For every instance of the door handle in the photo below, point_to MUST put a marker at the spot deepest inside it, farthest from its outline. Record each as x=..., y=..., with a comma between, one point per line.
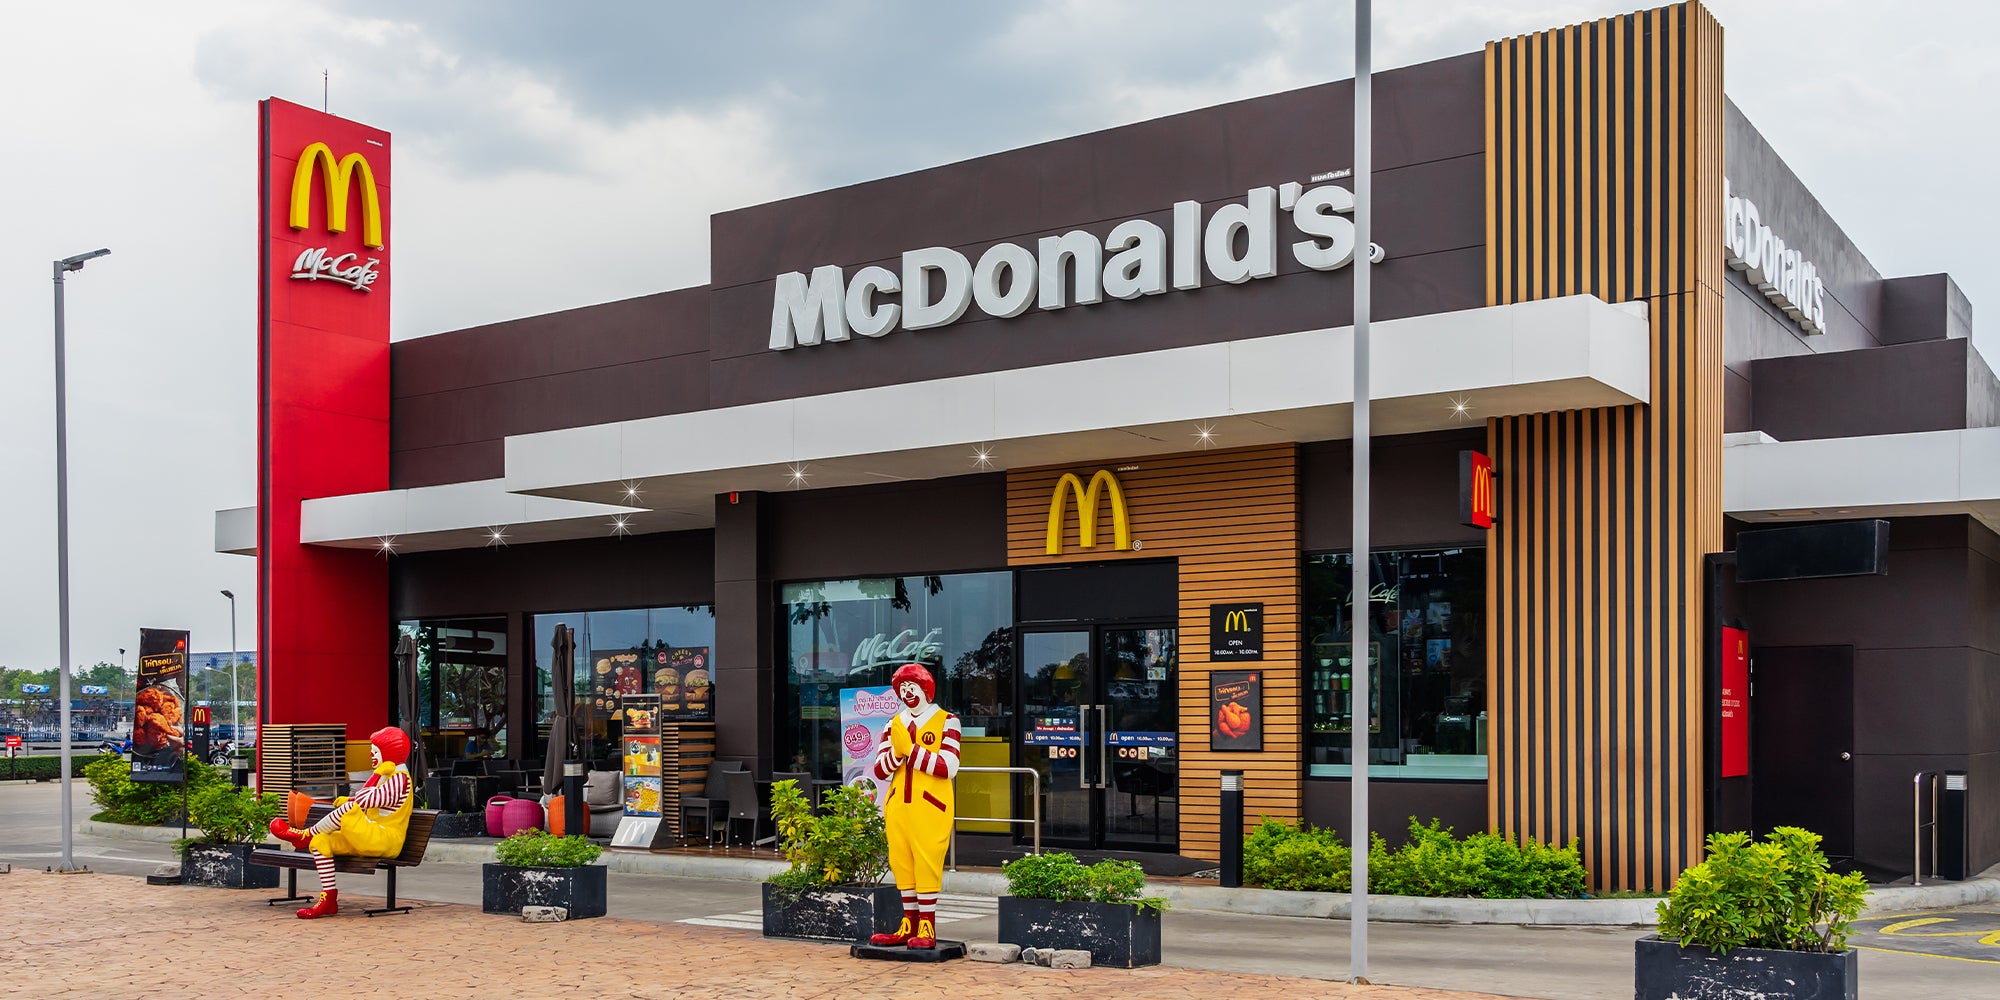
x=1844, y=755
x=1083, y=747
x=1104, y=747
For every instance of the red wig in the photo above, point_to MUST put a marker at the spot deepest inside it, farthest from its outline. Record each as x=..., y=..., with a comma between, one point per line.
x=914, y=672
x=393, y=743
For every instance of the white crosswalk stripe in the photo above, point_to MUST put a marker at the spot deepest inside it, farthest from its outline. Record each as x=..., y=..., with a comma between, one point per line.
x=951, y=907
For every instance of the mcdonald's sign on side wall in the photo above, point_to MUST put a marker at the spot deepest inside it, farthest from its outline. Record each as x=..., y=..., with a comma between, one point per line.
x=1086, y=509
x=1475, y=490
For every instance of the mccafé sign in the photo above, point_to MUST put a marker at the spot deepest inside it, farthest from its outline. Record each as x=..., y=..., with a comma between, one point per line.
x=354, y=270
x=1086, y=509
x=1137, y=258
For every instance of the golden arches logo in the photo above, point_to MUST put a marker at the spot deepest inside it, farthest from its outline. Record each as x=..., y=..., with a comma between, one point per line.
x=339, y=175
x=1236, y=621
x=1086, y=509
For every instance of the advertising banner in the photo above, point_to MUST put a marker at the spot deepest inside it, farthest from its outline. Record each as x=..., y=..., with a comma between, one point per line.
x=1236, y=705
x=1735, y=702
x=159, y=707
x=682, y=678
x=863, y=713
x=613, y=675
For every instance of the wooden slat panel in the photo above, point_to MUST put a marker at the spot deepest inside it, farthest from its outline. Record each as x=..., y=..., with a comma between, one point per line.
x=1230, y=519
x=1604, y=168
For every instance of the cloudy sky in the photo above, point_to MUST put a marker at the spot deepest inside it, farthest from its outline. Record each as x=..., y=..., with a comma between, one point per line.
x=550, y=156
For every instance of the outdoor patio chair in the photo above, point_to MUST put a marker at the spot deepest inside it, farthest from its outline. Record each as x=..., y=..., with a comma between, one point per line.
x=712, y=802
x=744, y=805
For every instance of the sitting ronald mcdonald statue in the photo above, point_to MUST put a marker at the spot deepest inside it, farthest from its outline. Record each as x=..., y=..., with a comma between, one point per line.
x=916, y=760
x=370, y=824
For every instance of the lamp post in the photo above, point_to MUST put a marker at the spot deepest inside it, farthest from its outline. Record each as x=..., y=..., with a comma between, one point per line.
x=1358, y=645
x=235, y=723
x=58, y=269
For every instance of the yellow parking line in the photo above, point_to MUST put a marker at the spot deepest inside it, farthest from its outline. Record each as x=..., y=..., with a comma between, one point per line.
x=1926, y=954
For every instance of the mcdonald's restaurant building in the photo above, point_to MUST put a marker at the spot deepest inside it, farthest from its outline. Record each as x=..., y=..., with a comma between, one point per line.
x=1071, y=425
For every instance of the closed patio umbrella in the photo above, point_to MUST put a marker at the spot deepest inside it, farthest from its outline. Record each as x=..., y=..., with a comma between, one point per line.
x=406, y=697
x=562, y=683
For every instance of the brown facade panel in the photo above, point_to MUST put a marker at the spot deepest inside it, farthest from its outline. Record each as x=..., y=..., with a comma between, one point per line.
x=1606, y=145
x=1186, y=507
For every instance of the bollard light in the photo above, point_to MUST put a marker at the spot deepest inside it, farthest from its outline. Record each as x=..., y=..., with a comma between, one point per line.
x=1232, y=829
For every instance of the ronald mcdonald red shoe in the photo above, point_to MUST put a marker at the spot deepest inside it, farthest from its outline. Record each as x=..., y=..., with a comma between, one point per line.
x=901, y=936
x=926, y=936
x=283, y=831
x=326, y=904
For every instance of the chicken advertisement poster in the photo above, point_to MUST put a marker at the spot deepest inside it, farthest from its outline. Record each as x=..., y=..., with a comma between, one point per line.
x=159, y=707
x=1236, y=710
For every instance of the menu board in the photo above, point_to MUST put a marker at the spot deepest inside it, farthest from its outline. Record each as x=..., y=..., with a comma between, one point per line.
x=682, y=678
x=613, y=675
x=159, y=707
x=1236, y=710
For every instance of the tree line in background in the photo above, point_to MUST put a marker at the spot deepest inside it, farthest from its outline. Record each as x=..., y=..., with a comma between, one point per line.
x=19, y=706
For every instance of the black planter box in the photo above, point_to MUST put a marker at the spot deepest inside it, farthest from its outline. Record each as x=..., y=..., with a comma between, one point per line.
x=225, y=866
x=1119, y=935
x=506, y=888
x=455, y=826
x=1663, y=970
x=847, y=914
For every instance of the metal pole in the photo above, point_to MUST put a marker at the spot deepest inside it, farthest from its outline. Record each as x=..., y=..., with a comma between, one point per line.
x=1358, y=644
x=235, y=720
x=62, y=570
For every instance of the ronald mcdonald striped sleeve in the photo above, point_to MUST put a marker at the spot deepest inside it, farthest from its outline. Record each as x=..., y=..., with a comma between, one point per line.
x=943, y=762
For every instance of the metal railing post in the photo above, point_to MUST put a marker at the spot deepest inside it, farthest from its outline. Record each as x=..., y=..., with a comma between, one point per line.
x=1034, y=822
x=1917, y=825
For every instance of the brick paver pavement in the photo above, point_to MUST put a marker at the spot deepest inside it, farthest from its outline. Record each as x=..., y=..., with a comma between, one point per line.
x=108, y=936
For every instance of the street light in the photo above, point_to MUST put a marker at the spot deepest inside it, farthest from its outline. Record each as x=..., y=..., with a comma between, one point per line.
x=1358, y=644
x=58, y=269
x=235, y=724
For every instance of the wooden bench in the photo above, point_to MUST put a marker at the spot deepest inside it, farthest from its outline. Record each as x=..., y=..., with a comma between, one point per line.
x=414, y=841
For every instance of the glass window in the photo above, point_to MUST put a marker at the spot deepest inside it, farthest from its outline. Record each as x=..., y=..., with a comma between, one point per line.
x=854, y=633
x=1426, y=656
x=461, y=684
x=607, y=636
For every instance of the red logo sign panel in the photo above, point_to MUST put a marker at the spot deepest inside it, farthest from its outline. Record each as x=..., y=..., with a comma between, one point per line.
x=1735, y=702
x=1475, y=490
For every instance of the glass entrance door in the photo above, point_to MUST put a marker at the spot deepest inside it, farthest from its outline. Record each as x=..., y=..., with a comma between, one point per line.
x=1098, y=711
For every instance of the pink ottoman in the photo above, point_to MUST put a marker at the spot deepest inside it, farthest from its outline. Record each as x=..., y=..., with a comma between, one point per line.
x=495, y=814
x=518, y=815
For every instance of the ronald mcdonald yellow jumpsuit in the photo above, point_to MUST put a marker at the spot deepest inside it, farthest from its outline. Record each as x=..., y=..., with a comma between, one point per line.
x=916, y=758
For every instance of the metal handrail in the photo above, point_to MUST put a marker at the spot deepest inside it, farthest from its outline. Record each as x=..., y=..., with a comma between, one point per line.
x=1034, y=797
x=1918, y=824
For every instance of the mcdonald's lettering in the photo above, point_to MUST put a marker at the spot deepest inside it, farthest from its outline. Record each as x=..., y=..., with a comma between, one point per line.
x=339, y=176
x=1086, y=509
x=1475, y=490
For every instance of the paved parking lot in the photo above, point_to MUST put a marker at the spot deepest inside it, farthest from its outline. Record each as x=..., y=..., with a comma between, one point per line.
x=1971, y=935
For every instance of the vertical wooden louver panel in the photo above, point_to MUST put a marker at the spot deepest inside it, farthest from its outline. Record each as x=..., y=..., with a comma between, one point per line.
x=1604, y=177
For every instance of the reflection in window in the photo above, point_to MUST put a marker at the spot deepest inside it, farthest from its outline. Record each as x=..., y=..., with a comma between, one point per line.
x=606, y=635
x=461, y=683
x=854, y=633
x=1426, y=656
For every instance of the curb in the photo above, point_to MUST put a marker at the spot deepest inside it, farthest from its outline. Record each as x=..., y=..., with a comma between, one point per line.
x=1214, y=899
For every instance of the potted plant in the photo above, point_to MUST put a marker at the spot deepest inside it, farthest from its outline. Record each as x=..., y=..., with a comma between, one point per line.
x=537, y=868
x=232, y=822
x=833, y=890
x=1755, y=919
x=1056, y=901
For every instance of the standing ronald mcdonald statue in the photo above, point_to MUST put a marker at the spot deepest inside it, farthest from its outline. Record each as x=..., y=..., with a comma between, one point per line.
x=371, y=824
x=916, y=760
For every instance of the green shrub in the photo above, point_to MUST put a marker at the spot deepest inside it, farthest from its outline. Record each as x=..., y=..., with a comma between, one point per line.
x=143, y=803
x=542, y=849
x=845, y=843
x=229, y=815
x=1493, y=866
x=47, y=768
x=1777, y=894
x=1278, y=855
x=1063, y=878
